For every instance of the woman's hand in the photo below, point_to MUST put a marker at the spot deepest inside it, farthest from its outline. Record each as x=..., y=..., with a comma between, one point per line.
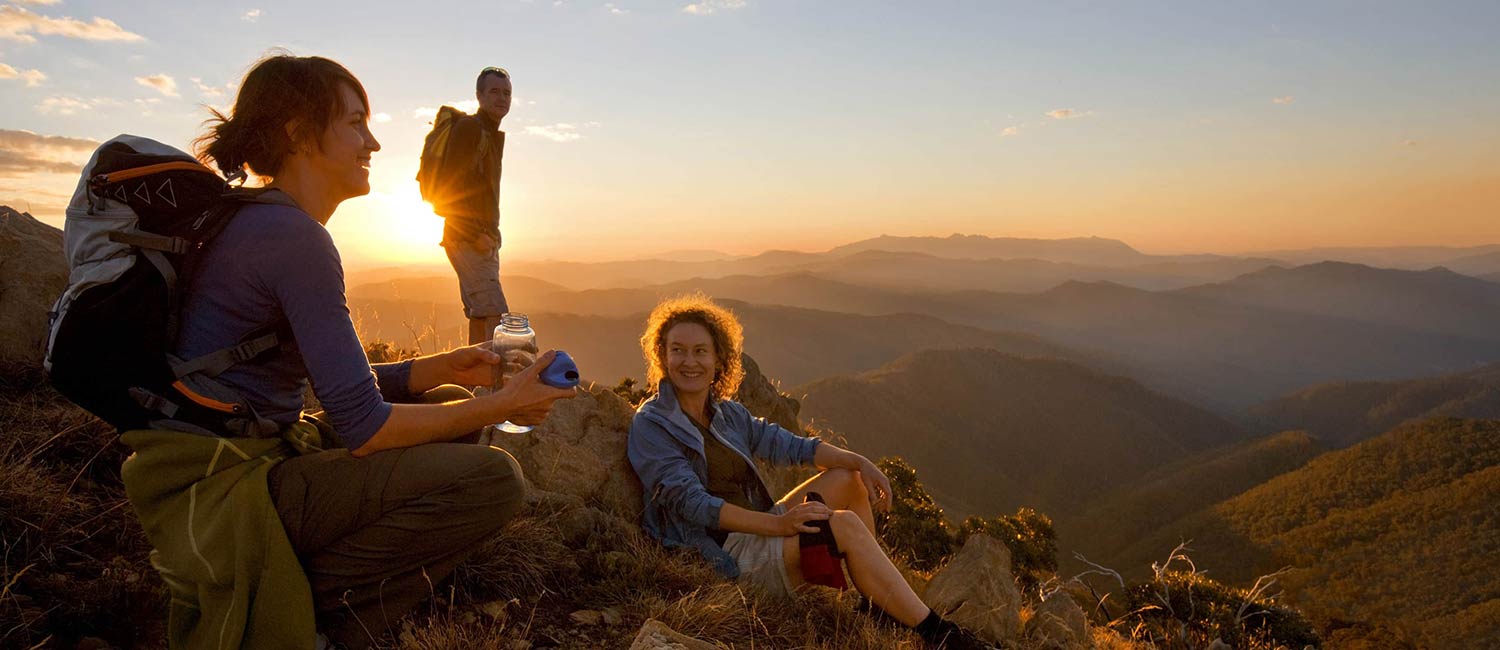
x=876, y=484
x=474, y=365
x=795, y=519
x=525, y=399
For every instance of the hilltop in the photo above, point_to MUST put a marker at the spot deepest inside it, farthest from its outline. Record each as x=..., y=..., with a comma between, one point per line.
x=1342, y=413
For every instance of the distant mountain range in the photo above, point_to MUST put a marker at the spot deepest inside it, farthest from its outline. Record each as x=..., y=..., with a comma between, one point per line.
x=1226, y=346
x=991, y=432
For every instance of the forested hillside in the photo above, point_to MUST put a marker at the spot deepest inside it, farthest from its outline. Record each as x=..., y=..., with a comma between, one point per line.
x=1010, y=431
x=1400, y=528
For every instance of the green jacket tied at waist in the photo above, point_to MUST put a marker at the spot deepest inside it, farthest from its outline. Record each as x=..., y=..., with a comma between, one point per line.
x=219, y=545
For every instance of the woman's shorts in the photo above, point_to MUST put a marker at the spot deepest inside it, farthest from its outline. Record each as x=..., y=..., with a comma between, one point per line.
x=760, y=559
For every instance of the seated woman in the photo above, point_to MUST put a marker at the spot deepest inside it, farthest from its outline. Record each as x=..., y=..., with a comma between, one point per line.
x=375, y=523
x=692, y=448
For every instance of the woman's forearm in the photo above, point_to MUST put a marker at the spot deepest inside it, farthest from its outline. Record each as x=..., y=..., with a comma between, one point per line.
x=427, y=373
x=416, y=424
x=739, y=520
x=827, y=456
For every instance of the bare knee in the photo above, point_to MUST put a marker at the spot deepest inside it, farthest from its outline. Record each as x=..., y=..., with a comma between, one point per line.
x=847, y=526
x=846, y=479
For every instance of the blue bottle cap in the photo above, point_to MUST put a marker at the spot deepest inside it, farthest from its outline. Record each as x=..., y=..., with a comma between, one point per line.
x=562, y=372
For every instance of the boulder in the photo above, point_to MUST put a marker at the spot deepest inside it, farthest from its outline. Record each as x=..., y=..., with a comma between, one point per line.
x=763, y=400
x=655, y=635
x=33, y=272
x=579, y=451
x=976, y=590
x=1059, y=624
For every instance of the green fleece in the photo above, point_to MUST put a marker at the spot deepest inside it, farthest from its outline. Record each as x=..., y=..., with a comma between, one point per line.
x=219, y=545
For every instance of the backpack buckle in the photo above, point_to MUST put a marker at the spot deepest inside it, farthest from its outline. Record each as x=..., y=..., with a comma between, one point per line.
x=244, y=351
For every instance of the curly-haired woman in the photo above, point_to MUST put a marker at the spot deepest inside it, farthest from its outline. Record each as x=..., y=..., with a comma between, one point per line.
x=693, y=449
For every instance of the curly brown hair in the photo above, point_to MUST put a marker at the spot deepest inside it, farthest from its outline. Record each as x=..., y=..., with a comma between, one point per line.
x=723, y=327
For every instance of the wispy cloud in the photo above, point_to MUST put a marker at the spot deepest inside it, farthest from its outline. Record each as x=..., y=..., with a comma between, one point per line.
x=706, y=7
x=18, y=24
x=615, y=11
x=251, y=16
x=560, y=132
x=31, y=77
x=1010, y=131
x=62, y=105
x=1410, y=143
x=205, y=89
x=161, y=83
x=1065, y=114
x=382, y=118
x=35, y=2
x=24, y=152
x=426, y=113
x=1283, y=100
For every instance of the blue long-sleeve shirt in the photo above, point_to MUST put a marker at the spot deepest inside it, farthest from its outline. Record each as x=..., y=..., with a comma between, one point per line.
x=273, y=262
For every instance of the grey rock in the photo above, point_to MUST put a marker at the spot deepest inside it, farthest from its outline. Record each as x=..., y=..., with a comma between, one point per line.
x=579, y=451
x=976, y=590
x=655, y=635
x=1059, y=624
x=33, y=272
x=762, y=398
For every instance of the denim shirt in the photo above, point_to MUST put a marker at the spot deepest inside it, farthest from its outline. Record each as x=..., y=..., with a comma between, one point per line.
x=666, y=451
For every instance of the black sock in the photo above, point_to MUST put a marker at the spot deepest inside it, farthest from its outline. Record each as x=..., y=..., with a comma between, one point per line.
x=931, y=626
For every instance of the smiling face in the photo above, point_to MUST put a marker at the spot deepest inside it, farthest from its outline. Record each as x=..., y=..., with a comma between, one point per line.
x=690, y=358
x=342, y=158
x=494, y=96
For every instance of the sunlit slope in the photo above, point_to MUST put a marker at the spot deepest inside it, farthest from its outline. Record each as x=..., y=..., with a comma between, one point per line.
x=1403, y=527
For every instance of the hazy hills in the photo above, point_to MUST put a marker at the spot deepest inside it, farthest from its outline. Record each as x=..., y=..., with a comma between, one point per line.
x=1226, y=346
x=1342, y=413
x=1008, y=431
x=1402, y=527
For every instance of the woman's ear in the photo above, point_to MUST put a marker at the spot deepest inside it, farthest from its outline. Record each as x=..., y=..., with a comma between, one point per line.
x=294, y=134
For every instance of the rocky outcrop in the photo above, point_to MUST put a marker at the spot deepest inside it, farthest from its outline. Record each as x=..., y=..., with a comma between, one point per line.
x=760, y=396
x=976, y=590
x=579, y=451
x=1059, y=624
x=33, y=272
x=655, y=635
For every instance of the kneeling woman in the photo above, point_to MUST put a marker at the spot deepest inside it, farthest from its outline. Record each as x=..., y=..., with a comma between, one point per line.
x=692, y=448
x=399, y=502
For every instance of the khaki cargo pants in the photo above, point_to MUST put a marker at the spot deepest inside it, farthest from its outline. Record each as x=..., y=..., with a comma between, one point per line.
x=376, y=534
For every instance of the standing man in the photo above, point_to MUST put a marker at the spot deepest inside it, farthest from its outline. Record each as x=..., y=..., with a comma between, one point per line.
x=470, y=204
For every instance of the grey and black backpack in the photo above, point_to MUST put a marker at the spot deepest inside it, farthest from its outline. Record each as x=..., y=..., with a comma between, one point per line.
x=134, y=233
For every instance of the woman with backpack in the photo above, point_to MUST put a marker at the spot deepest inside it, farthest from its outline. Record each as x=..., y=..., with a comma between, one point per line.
x=382, y=493
x=692, y=448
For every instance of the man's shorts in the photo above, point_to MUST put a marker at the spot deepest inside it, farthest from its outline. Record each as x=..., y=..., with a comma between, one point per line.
x=478, y=280
x=760, y=559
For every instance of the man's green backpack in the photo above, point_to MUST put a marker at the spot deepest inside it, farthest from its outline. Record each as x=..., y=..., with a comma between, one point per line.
x=430, y=174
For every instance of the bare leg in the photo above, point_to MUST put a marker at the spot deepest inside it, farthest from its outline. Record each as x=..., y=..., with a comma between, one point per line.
x=873, y=573
x=841, y=489
x=482, y=329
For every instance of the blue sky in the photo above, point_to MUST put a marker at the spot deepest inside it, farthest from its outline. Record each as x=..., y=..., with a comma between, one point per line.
x=745, y=125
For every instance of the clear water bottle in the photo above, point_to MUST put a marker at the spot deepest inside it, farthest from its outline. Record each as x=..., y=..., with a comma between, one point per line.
x=515, y=342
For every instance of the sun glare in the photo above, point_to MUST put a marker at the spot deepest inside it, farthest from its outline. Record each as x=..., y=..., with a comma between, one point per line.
x=393, y=227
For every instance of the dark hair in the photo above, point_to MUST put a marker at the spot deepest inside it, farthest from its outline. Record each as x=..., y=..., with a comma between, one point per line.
x=277, y=90
x=498, y=72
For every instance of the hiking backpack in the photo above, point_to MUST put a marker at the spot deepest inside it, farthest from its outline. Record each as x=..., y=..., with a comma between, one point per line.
x=430, y=170
x=134, y=232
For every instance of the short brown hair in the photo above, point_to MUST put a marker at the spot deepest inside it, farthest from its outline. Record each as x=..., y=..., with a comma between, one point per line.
x=277, y=90
x=723, y=327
